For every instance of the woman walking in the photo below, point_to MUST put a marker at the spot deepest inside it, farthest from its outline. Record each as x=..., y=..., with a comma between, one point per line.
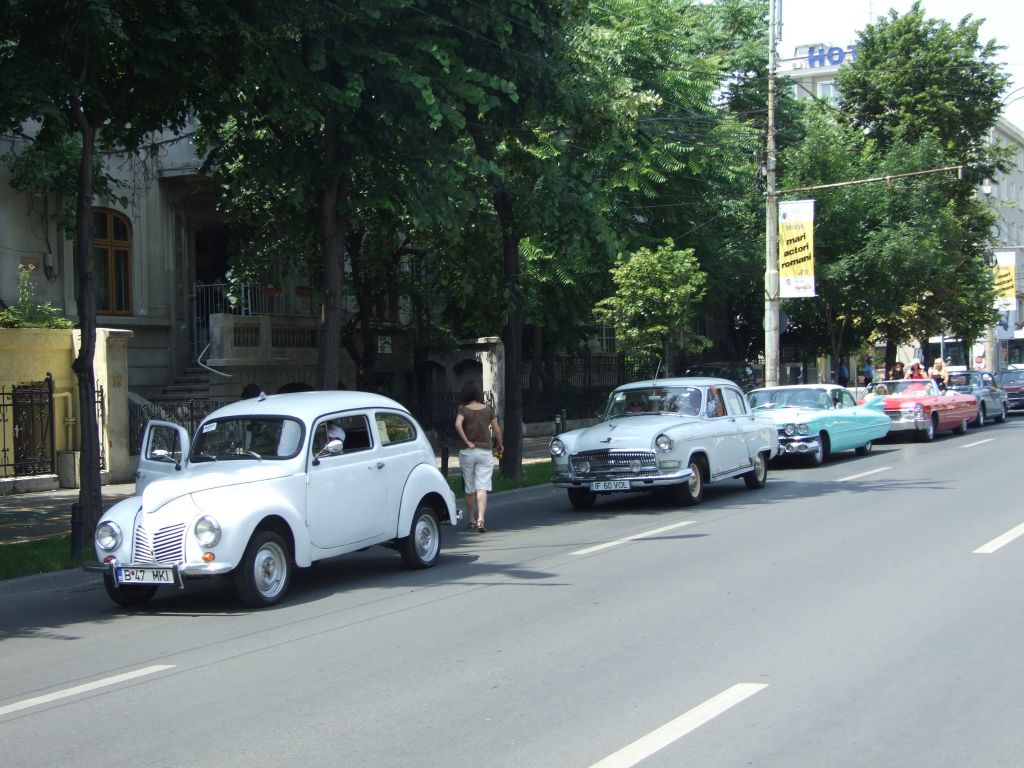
x=474, y=424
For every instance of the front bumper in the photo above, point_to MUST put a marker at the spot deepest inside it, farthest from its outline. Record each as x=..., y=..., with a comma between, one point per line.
x=907, y=421
x=1015, y=401
x=181, y=570
x=643, y=482
x=797, y=444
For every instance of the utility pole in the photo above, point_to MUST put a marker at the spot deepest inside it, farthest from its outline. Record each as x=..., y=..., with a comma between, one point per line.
x=771, y=274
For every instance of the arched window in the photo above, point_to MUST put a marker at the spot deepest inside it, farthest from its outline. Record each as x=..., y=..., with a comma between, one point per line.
x=112, y=262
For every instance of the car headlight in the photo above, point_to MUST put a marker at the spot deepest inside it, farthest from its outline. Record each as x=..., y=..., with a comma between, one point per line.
x=789, y=430
x=207, y=531
x=108, y=536
x=557, y=447
x=664, y=443
x=802, y=429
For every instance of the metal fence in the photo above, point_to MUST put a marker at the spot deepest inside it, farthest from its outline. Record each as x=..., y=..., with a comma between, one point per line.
x=185, y=413
x=27, y=439
x=26, y=429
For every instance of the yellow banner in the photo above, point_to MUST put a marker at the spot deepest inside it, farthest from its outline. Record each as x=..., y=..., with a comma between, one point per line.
x=1004, y=274
x=796, y=249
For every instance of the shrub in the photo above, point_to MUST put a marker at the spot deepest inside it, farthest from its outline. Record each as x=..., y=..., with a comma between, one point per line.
x=29, y=313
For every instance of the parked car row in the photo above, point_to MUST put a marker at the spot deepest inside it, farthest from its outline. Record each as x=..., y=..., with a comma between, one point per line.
x=677, y=435
x=269, y=484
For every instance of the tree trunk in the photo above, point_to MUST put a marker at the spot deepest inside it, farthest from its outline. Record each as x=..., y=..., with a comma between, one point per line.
x=512, y=335
x=333, y=227
x=89, y=495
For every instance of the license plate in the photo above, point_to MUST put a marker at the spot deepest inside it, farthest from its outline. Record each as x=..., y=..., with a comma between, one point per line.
x=610, y=485
x=145, y=575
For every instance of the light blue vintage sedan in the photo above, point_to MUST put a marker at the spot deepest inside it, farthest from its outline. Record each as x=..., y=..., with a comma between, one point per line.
x=815, y=420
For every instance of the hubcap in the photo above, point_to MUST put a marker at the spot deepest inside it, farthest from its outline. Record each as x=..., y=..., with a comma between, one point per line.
x=269, y=570
x=694, y=480
x=425, y=538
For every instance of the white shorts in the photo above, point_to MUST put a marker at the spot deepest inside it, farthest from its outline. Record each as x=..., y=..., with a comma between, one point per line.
x=477, y=465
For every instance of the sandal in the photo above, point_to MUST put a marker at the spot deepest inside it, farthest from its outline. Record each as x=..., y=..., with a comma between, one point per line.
x=472, y=525
x=480, y=527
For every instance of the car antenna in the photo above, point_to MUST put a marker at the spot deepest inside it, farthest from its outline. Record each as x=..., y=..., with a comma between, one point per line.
x=657, y=370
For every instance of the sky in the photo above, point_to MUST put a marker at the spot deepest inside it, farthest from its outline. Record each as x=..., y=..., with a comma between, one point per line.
x=837, y=22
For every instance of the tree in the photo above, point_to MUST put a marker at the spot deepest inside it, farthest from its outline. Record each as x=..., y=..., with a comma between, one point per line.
x=657, y=294
x=901, y=258
x=81, y=77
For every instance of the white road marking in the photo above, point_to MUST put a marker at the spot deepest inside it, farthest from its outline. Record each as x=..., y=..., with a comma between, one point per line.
x=1000, y=541
x=634, y=537
x=95, y=685
x=658, y=739
x=978, y=442
x=862, y=474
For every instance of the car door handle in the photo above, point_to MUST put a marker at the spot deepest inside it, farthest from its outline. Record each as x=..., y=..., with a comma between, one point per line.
x=378, y=465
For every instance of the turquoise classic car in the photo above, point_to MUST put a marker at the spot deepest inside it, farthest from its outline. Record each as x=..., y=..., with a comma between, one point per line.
x=815, y=420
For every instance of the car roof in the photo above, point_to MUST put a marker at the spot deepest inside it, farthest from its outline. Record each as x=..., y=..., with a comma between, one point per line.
x=801, y=386
x=679, y=381
x=306, y=405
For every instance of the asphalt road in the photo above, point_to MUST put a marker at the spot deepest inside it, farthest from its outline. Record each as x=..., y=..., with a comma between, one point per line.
x=865, y=613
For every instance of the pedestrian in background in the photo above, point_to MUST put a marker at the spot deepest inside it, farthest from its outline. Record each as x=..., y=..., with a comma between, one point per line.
x=916, y=370
x=939, y=373
x=475, y=422
x=843, y=375
x=869, y=372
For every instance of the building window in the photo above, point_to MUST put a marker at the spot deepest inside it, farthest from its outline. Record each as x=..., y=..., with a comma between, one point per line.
x=606, y=338
x=827, y=90
x=112, y=262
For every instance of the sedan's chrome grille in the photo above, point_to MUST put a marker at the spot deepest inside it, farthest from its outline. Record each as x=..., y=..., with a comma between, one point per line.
x=166, y=546
x=624, y=463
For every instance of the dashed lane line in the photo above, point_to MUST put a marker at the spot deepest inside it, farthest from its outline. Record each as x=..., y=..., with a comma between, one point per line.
x=978, y=442
x=672, y=731
x=634, y=537
x=859, y=475
x=1000, y=541
x=93, y=686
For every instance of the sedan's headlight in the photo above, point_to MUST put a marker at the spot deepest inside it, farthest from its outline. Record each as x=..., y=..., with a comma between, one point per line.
x=207, y=531
x=664, y=443
x=789, y=429
x=557, y=447
x=108, y=536
x=802, y=429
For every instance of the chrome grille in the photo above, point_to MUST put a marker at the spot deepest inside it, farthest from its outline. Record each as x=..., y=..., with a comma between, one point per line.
x=165, y=546
x=618, y=463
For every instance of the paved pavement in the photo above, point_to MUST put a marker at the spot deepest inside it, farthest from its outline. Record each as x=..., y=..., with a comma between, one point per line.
x=28, y=516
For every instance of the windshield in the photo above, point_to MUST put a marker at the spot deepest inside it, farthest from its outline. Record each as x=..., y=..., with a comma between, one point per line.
x=647, y=400
x=966, y=380
x=908, y=387
x=791, y=397
x=247, y=437
x=1010, y=377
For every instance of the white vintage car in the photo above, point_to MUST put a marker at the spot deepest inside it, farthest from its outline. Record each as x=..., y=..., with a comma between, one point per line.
x=672, y=434
x=271, y=483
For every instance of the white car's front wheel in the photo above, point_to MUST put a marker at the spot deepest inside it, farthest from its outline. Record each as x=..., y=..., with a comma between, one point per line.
x=265, y=573
x=692, y=491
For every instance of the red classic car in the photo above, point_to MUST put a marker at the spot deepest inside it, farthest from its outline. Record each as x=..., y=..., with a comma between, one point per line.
x=917, y=405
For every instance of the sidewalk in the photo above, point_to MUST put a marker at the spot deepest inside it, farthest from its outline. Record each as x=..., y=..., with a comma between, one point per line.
x=37, y=515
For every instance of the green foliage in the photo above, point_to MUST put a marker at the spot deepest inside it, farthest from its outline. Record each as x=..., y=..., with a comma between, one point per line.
x=655, y=304
x=29, y=313
x=28, y=558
